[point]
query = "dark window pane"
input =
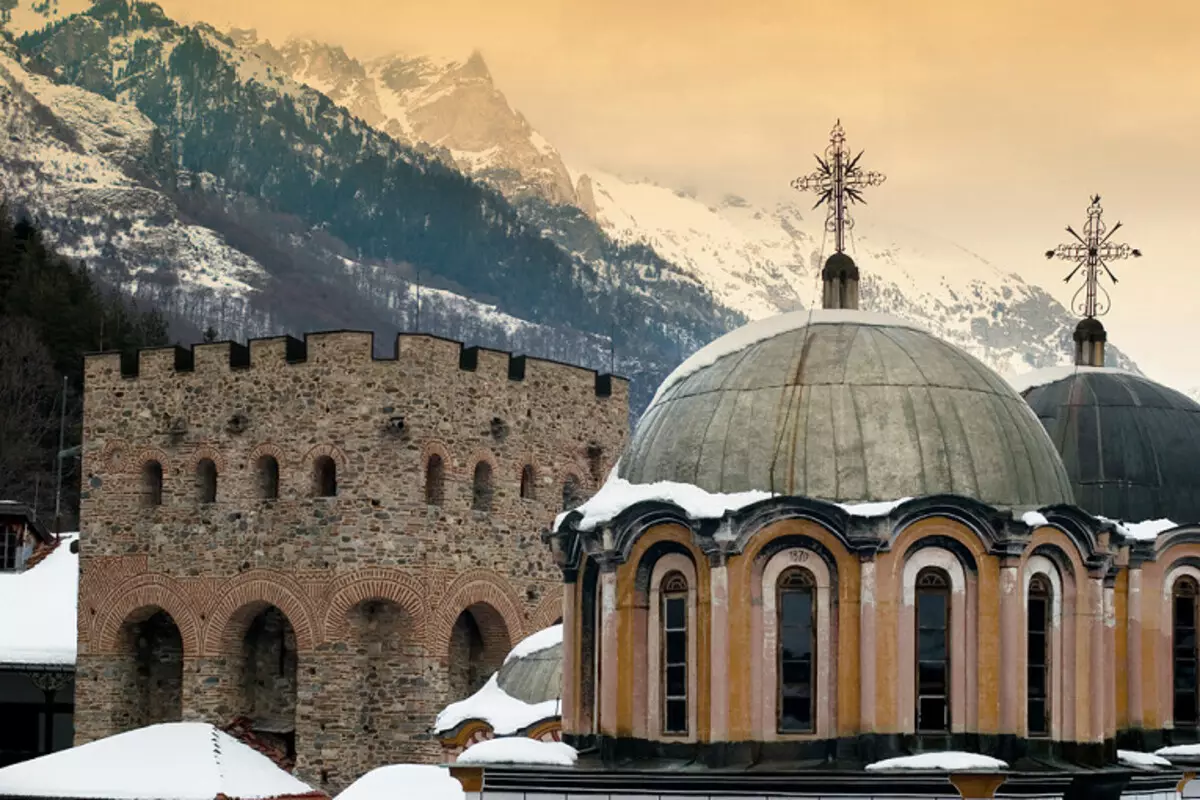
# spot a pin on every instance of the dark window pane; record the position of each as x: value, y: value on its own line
x: 795, y: 607
x: 1037, y: 681
x: 931, y: 714
x: 931, y: 646
x: 1185, y: 708
x: 1037, y: 716
x: 1037, y: 649
x: 797, y: 714
x: 931, y: 609
x: 931, y: 677
x: 676, y: 716
x: 1185, y: 675
x: 1185, y: 611
x: 1037, y: 615
x: 676, y: 647
x: 797, y: 642
x: 676, y: 681
x: 797, y: 672
x: 676, y: 612
x: 1185, y: 641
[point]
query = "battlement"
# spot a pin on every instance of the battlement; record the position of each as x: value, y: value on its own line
x: 344, y: 348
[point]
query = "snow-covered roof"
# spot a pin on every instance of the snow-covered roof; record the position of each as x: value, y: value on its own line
x: 1048, y: 375
x: 405, y: 780
x: 171, y: 761
x: 39, y: 624
x: 949, y: 761
x: 491, y: 704
x: 1133, y: 758
x: 1147, y: 529
x: 519, y: 750
x: 535, y: 643
x: 1179, y: 751
x: 770, y: 327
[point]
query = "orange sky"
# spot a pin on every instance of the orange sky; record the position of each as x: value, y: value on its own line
x: 994, y: 121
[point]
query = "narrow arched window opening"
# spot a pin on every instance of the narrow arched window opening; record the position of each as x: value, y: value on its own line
x: 571, y: 494
x: 1037, y: 650
x: 206, y: 481
x: 796, y: 608
x: 435, y: 480
x: 527, y: 482
x: 324, y: 477
x: 1184, y: 655
x: 674, y: 592
x: 268, y: 478
x: 152, y: 483
x: 932, y: 651
x: 481, y: 494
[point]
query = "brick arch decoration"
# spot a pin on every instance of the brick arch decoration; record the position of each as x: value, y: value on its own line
x: 435, y: 447
x: 136, y: 600
x: 483, y: 455
x: 330, y: 450
x: 549, y: 610
x: 374, y: 583
x: 112, y: 456
x: 242, y: 597
x: 468, y: 589
x: 267, y: 449
x: 137, y: 460
x: 203, y: 452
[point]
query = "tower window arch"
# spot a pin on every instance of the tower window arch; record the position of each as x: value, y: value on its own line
x: 796, y: 666
x: 932, y: 651
x: 152, y: 483
x: 674, y: 592
x: 1184, y: 658
x: 325, y: 476
x: 268, y: 477
x: 435, y: 480
x: 206, y: 481
x: 481, y: 490
x: 1038, y: 625
x: 527, y: 482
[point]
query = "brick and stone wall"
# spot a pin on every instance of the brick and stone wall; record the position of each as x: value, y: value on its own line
x: 350, y: 613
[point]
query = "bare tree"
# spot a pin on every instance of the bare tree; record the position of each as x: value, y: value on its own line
x: 28, y: 391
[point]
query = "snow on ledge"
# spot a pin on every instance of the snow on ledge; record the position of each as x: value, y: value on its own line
x: 618, y: 494
x: 1034, y: 519
x: 1133, y: 758
x: 770, y: 327
x: 535, y: 643
x: 1147, y: 530
x: 1048, y: 375
x: 405, y: 780
x: 519, y: 750
x: 1179, y: 751
x: 949, y: 761
x: 491, y: 704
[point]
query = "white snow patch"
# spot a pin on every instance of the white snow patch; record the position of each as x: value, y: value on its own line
x: 519, y: 750
x: 879, y: 509
x: 38, y: 624
x: 505, y: 713
x: 1135, y: 759
x: 769, y: 328
x: 405, y: 780
x: 171, y: 761
x: 1034, y: 519
x: 949, y: 761
x: 542, y: 640
x: 1147, y: 529
x: 1179, y: 751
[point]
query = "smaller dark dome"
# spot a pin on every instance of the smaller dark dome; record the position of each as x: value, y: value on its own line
x: 840, y: 265
x: 1089, y: 329
x: 1130, y: 446
x: 533, y: 678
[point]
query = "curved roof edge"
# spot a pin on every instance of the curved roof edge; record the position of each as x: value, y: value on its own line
x: 1048, y: 375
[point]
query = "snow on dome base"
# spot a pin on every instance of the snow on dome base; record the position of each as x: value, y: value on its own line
x: 405, y: 780
x: 170, y: 761
x: 949, y: 761
x: 519, y: 750
x: 535, y: 643
x: 491, y: 704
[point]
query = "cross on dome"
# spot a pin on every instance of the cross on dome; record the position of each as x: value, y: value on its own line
x: 838, y: 181
x: 1091, y: 252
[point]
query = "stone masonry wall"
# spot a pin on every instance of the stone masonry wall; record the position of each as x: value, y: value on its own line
x: 367, y: 688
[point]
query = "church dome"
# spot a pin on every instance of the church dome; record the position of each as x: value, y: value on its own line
x: 1130, y: 445
x: 844, y: 406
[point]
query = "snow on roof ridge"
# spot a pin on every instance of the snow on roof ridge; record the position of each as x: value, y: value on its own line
x: 395, y: 781
x: 947, y: 761
x: 1147, y: 529
x: 47, y: 637
x: 1047, y: 375
x: 491, y: 704
x: 536, y: 642
x: 768, y: 328
x: 519, y: 750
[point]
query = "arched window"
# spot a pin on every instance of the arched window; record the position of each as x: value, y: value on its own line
x: 933, y: 651
x: 571, y: 495
x: 268, y: 477
x: 435, y: 480
x: 206, y: 481
x: 1184, y: 656
x: 796, y: 608
x: 675, y: 654
x: 152, y: 483
x: 527, y: 482
x: 1037, y: 656
x: 481, y: 490
x: 324, y: 477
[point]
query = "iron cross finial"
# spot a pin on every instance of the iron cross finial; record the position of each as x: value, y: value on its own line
x: 1091, y: 252
x: 838, y: 181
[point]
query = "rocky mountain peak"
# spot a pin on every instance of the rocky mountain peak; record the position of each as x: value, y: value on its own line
x: 475, y: 68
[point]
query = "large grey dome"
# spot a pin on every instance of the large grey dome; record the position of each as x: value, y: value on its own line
x: 849, y: 407
x: 1130, y: 445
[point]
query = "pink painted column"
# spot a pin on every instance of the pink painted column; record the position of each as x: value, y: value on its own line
x: 570, y: 667
x: 1133, y: 647
x: 866, y: 647
x: 608, y: 650
x: 1110, y: 660
x: 1011, y: 603
x: 1095, y: 620
x: 719, y: 654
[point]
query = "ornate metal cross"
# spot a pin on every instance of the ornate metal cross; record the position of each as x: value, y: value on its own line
x: 1091, y: 252
x: 838, y: 181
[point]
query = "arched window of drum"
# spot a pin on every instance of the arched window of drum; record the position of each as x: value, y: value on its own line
x: 1037, y: 656
x: 527, y: 482
x: 674, y: 591
x: 797, y: 650
x: 933, y: 651
x: 1183, y: 644
x: 435, y: 480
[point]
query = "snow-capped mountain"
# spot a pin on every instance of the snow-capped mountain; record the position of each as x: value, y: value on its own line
x: 755, y: 260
